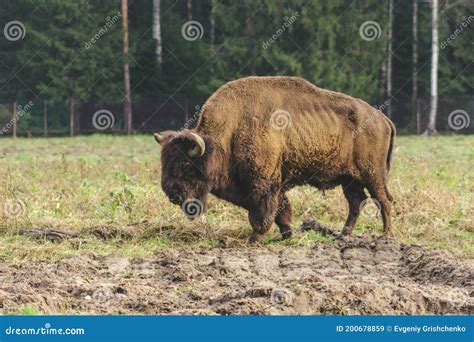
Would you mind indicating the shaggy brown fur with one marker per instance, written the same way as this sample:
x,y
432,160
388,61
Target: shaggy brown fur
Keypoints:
x,y
252,158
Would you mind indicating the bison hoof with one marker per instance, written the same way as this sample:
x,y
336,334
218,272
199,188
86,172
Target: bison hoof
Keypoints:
x,y
253,238
343,234
287,235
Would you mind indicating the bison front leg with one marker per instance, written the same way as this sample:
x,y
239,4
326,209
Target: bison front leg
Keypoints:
x,y
262,212
283,217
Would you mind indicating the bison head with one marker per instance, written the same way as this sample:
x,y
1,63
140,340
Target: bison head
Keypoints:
x,y
184,176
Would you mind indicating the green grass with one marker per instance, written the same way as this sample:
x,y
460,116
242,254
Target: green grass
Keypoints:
x,y
108,189
28,310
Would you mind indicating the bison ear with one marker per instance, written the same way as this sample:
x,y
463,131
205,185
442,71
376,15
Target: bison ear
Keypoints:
x,y
163,137
200,146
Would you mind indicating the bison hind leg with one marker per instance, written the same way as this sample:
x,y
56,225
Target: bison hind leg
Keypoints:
x,y
379,191
355,195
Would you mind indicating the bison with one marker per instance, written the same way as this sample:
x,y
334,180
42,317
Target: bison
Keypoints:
x,y
258,137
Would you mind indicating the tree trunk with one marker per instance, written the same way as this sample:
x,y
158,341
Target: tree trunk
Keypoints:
x,y
71,117
414,76
126,70
213,32
190,9
389,60
431,129
157,30
14,120
45,118
213,25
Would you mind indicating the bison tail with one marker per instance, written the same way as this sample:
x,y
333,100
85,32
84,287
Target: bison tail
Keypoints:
x,y
390,155
390,148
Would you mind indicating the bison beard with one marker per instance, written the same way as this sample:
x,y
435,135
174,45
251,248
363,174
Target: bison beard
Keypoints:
x,y
241,153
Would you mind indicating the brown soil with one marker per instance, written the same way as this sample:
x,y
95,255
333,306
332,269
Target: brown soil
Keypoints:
x,y
354,276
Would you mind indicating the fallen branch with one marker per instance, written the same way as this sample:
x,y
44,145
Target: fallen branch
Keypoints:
x,y
310,224
49,234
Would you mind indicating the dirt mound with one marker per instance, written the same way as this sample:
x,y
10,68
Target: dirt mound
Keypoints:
x,y
353,276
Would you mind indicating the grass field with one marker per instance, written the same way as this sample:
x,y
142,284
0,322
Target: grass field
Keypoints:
x,y
107,188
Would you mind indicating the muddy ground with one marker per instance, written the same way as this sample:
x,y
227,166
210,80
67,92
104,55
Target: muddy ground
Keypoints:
x,y
354,276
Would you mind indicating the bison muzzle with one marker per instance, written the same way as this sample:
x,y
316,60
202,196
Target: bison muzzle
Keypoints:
x,y
258,137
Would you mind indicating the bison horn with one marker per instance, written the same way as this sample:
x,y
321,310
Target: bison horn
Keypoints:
x,y
164,136
200,147
159,138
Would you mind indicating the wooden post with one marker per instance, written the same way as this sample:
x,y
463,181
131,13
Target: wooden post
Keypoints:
x,y
126,70
186,110
418,119
71,117
45,118
15,118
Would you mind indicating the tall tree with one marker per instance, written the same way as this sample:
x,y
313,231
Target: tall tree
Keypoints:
x,y
389,59
431,129
189,6
157,29
126,70
414,79
213,31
